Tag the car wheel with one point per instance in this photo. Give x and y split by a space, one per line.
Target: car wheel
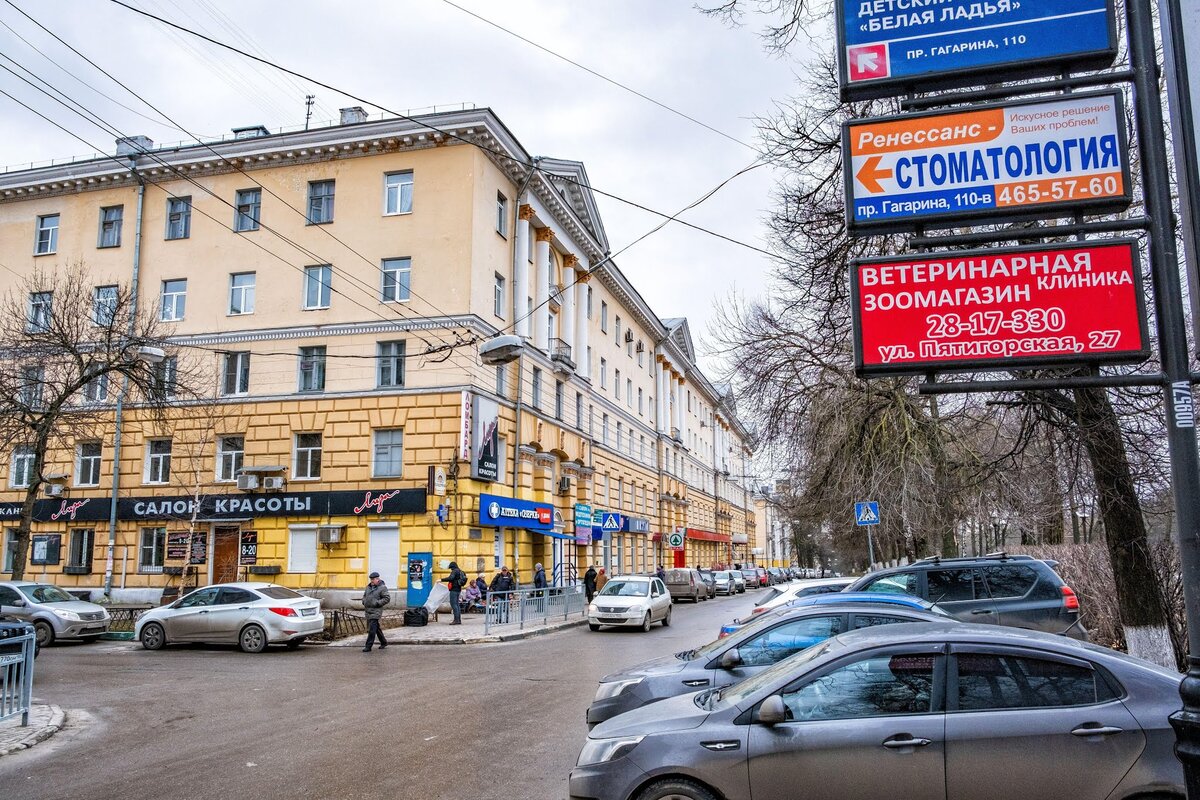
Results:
666 620
676 790
252 639
44 633
153 636
595 626
646 623
293 644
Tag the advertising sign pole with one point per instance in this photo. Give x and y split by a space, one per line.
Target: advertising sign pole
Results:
1173 350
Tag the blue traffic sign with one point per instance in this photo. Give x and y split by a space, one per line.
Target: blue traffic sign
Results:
610 522
890 47
866 513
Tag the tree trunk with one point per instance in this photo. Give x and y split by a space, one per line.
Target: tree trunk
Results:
1142 612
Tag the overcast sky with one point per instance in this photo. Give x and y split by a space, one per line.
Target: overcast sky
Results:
414 54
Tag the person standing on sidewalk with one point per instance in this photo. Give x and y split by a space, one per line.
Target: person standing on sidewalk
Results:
589 582
375 597
500 593
456 581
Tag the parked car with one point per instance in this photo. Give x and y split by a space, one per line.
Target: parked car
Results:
764 579
723 582
739 580
1000 589
11 628
737 657
834 598
251 615
638 600
53 612
919 711
778 595
710 582
686 583
775 576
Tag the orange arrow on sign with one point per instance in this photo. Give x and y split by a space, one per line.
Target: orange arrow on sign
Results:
870 174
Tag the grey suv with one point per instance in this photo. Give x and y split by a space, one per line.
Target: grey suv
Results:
998 589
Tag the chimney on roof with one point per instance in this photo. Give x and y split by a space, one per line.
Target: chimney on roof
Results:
352 115
134 145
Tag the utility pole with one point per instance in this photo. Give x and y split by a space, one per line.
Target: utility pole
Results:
309 99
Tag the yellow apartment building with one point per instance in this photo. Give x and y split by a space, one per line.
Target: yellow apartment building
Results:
333 286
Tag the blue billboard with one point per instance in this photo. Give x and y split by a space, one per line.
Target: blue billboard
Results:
507 512
891 47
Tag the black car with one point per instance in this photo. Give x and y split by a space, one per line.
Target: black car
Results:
10 629
997 589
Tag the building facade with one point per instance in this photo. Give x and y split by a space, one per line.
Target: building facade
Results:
332 287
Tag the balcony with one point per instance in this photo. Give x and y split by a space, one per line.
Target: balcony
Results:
560 355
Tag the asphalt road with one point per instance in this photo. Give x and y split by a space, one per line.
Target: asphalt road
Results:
410 722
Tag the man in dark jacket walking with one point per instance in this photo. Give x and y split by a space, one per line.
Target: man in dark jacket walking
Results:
456 581
374 598
589 582
502 582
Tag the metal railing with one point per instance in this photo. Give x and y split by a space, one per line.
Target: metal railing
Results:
527 607
340 623
16 676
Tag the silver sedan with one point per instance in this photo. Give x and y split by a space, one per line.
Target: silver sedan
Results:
251 615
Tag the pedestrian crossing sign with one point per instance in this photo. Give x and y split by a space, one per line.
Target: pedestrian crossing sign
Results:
866 513
611 522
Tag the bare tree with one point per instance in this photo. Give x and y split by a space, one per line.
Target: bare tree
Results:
66 349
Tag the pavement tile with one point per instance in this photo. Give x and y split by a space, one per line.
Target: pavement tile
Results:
45 720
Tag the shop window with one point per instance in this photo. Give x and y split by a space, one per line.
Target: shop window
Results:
152 549
302 548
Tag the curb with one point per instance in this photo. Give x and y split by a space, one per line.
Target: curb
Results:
494 638
57 719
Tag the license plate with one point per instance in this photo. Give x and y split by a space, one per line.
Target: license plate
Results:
307 612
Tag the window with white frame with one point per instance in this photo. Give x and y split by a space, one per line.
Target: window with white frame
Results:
501 380
10 548
388 453
179 217
79 548
158 461
96 389
620 431
20 472
629 391
40 312
579 410
397 280
320 202
152 549
501 214
391 364
617 326
641 353
231 451
617 383
174 299
241 293
558 400
312 369
165 371
30 393
46 240
398 193
104 305
87 464
498 296
604 429
235 374
318 286
302 548
603 317
641 401
248 203
307 459
603 373
110 226
536 391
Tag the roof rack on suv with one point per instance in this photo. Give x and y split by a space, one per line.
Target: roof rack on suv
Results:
1000 556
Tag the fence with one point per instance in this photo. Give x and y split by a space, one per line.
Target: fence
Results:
533 606
16 676
340 623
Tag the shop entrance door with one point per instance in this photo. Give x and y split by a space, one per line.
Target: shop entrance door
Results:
225 554
383 552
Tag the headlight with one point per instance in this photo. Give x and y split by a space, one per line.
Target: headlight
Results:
71 615
614 688
597 751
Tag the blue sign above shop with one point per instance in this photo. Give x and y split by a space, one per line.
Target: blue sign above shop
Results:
507 512
635 525
889 47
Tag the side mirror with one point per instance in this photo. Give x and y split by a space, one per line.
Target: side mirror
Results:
730 658
18 603
772 711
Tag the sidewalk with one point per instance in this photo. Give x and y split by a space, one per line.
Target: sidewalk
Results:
470 632
45 720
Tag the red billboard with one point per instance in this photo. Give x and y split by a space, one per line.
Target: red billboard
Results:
999 308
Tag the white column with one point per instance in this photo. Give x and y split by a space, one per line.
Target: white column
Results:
582 365
567 327
541 288
660 398
520 281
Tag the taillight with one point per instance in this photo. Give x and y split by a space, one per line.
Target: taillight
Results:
1070 601
284 611
758 610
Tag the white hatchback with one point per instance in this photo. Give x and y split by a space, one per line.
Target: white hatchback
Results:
637 600
251 615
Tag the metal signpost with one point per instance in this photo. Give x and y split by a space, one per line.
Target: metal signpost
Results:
1024 160
1000 307
996 162
891 46
866 514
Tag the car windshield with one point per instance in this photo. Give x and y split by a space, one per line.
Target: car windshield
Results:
785 670
622 588
278 593
42 593
722 576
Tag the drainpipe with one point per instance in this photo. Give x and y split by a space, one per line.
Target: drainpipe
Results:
119 413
